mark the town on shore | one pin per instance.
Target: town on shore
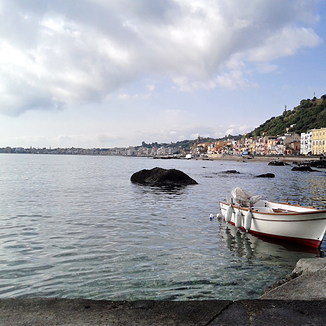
(311, 143)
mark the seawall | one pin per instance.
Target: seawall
(301, 300)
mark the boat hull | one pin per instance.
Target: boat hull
(306, 227)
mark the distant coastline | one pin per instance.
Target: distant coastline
(124, 152)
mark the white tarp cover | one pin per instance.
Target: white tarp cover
(242, 197)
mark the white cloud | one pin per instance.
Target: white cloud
(123, 96)
(55, 54)
(233, 80)
(266, 68)
(151, 87)
(287, 42)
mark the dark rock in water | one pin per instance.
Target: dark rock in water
(276, 163)
(266, 175)
(319, 164)
(162, 177)
(303, 168)
(231, 171)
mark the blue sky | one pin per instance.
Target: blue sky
(110, 73)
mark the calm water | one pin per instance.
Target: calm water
(75, 227)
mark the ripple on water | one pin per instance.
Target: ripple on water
(75, 227)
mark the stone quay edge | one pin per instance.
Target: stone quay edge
(300, 301)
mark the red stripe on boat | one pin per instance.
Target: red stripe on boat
(306, 242)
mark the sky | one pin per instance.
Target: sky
(114, 73)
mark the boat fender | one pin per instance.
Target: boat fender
(228, 214)
(237, 219)
(247, 221)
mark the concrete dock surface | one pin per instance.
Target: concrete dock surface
(300, 300)
(76, 312)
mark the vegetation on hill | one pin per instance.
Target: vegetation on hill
(187, 144)
(310, 114)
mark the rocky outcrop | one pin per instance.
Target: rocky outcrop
(162, 177)
(277, 163)
(307, 282)
(266, 175)
(231, 172)
(303, 168)
(321, 163)
(318, 164)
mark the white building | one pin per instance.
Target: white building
(306, 143)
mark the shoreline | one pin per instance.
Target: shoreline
(287, 159)
(208, 157)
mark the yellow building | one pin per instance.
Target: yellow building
(318, 141)
(271, 145)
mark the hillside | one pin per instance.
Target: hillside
(309, 114)
(187, 144)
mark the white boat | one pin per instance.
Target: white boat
(299, 224)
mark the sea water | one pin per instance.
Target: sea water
(76, 227)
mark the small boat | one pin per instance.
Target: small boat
(295, 223)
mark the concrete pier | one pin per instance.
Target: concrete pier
(300, 301)
(65, 312)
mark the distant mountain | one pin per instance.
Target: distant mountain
(310, 114)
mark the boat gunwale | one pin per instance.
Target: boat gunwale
(252, 209)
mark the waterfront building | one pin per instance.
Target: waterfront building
(318, 141)
(279, 146)
(292, 143)
(202, 148)
(306, 143)
(131, 151)
(271, 145)
(241, 146)
(219, 147)
(251, 145)
(261, 146)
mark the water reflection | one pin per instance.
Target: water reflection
(253, 247)
(317, 188)
(308, 189)
(159, 190)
